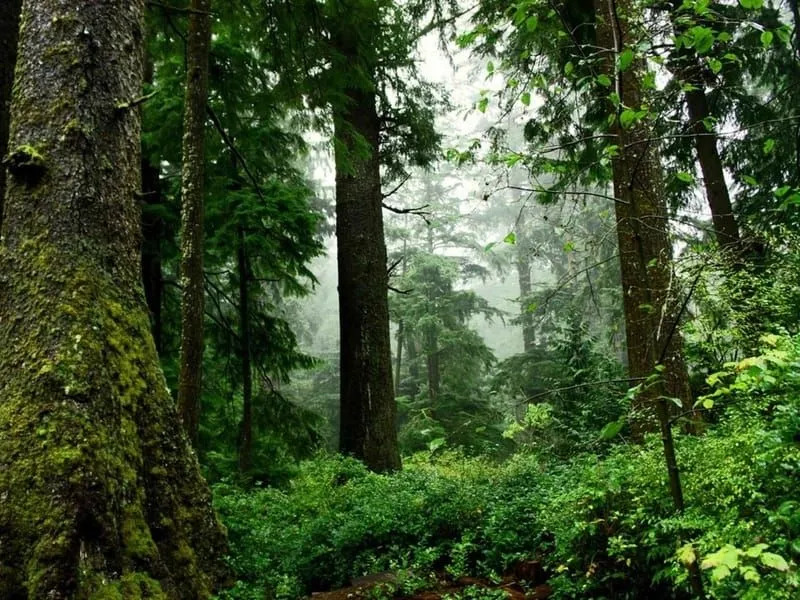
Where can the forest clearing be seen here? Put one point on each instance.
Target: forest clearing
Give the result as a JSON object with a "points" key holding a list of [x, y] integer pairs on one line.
{"points": [[411, 299]]}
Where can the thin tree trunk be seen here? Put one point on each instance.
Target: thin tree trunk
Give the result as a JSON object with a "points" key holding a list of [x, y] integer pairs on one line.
{"points": [[432, 362], [523, 263], [691, 71], [649, 290], [9, 28], [101, 494], [400, 330], [152, 232], [399, 360], [719, 200], [246, 442], [368, 410], [190, 382]]}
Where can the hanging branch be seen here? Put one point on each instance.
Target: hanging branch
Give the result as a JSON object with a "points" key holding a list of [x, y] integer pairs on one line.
{"points": [[232, 147], [178, 9]]}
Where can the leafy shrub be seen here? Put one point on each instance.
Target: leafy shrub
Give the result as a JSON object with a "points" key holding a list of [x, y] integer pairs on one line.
{"points": [[602, 527]]}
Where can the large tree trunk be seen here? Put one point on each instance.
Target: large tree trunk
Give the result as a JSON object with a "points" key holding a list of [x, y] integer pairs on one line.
{"points": [[246, 440], [649, 291], [192, 191], [100, 494], [367, 429], [9, 27]]}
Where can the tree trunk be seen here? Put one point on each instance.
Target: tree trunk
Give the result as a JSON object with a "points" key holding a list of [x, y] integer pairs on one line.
{"points": [[399, 360], [719, 200], [152, 232], [432, 362], [651, 314], [192, 191], [246, 441], [9, 28], [523, 252], [649, 291], [690, 70], [100, 494], [367, 429]]}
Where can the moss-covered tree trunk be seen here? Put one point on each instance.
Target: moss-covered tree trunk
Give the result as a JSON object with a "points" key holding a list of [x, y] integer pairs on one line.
{"points": [[9, 27], [190, 382], [649, 289], [367, 428], [100, 494]]}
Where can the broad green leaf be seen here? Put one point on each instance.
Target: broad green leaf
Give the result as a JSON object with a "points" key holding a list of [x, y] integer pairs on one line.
{"points": [[568, 68], [766, 38], [482, 104], [531, 23], [685, 177], [604, 80], [774, 561], [708, 404], [511, 238], [625, 59], [525, 98], [715, 65], [751, 4], [727, 556], [627, 117], [755, 551], [611, 430]]}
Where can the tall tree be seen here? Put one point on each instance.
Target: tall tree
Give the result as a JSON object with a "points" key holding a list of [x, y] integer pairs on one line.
{"points": [[9, 28], [645, 252], [192, 198], [101, 494], [368, 409]]}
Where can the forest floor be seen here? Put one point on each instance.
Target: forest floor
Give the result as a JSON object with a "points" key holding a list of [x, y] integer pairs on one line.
{"points": [[524, 582]]}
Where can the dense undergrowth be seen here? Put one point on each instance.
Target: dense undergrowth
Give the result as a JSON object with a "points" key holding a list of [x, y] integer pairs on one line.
{"points": [[603, 527]]}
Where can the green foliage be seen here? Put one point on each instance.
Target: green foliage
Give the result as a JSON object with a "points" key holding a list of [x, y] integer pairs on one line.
{"points": [[602, 527]]}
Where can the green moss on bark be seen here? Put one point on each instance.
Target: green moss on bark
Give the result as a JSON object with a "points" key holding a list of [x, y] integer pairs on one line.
{"points": [[81, 491]]}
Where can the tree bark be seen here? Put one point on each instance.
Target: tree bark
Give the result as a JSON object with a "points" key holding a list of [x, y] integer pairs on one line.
{"points": [[649, 290], [246, 441], [368, 410], [100, 494], [9, 28], [192, 195]]}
